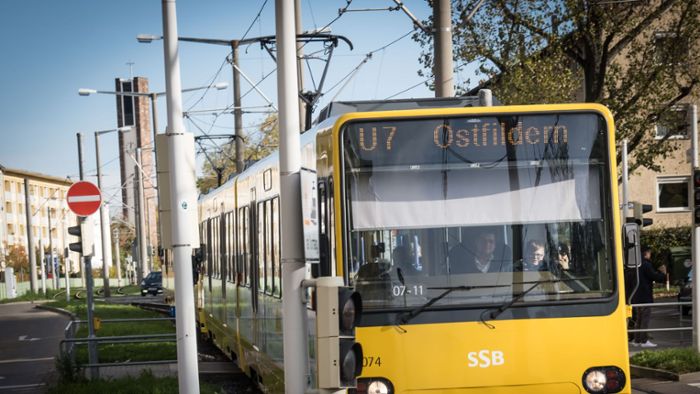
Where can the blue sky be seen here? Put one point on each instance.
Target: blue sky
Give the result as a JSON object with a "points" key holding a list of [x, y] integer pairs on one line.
{"points": [[50, 49]]}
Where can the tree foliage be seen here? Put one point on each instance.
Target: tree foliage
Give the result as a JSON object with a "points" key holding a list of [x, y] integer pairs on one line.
{"points": [[17, 258], [639, 58], [258, 145]]}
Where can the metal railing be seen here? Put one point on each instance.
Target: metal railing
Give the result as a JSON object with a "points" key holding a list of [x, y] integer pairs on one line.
{"points": [[67, 345], [680, 306]]}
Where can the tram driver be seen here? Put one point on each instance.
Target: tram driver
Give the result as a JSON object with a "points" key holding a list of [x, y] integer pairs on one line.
{"points": [[481, 255]]}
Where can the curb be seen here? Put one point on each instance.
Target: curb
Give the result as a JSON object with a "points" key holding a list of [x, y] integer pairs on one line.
{"points": [[57, 310], [645, 372]]}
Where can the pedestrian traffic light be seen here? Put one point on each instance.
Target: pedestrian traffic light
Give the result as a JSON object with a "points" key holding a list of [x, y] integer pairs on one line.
{"points": [[696, 192], [639, 210], [338, 310], [85, 244]]}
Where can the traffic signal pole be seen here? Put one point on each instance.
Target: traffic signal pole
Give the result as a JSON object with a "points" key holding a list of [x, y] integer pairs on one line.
{"points": [[183, 207], [693, 112], [294, 331]]}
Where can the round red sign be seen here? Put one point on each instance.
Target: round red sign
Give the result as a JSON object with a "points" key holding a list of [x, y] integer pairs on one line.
{"points": [[84, 198]]}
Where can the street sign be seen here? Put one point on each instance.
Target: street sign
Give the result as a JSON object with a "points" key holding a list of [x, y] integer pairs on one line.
{"points": [[84, 198]]}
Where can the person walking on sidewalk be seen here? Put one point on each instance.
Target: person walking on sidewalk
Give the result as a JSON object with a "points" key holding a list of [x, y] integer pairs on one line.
{"points": [[644, 295]]}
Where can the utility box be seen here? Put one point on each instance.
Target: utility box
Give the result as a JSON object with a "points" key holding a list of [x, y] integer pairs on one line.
{"points": [[10, 283]]}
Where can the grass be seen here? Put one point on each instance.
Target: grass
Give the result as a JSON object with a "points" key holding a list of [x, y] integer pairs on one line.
{"points": [[125, 351], [678, 361], [33, 296], [146, 383]]}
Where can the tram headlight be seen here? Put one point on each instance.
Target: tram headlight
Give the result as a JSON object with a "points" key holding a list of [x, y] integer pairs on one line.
{"points": [[374, 386], [606, 380]]}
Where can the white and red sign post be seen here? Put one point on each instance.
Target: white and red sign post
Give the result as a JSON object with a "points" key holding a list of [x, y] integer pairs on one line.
{"points": [[84, 198]]}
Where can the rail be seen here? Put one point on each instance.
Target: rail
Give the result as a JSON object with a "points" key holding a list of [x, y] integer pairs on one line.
{"points": [[67, 345]]}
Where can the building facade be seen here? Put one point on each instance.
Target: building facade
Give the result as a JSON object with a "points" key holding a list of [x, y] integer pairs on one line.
{"points": [[50, 214]]}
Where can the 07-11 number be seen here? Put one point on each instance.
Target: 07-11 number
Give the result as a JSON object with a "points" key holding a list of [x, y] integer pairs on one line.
{"points": [[370, 361]]}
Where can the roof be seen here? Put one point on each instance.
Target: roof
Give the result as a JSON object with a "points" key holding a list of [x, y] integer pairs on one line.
{"points": [[36, 176]]}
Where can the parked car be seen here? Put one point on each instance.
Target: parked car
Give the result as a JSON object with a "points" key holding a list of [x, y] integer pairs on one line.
{"points": [[686, 293], [153, 283]]}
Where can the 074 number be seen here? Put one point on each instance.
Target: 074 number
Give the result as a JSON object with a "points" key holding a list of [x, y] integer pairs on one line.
{"points": [[370, 361]]}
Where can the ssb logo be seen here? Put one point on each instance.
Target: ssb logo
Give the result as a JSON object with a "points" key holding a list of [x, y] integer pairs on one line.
{"points": [[485, 358]]}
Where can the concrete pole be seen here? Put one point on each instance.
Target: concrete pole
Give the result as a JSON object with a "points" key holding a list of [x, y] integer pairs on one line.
{"points": [[141, 218], [81, 166], [237, 111], [693, 115], [104, 229], [43, 266], [442, 46], [294, 331], [182, 189], [117, 257], [30, 237], [300, 65]]}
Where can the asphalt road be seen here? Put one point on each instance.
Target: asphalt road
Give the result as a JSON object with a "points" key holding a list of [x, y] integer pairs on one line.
{"points": [[29, 344]]}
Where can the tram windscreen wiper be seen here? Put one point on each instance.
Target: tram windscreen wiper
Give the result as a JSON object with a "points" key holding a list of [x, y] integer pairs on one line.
{"points": [[407, 316], [494, 314]]}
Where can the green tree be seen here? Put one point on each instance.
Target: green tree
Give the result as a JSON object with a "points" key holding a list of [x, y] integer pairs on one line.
{"points": [[17, 258], [258, 145], [639, 58]]}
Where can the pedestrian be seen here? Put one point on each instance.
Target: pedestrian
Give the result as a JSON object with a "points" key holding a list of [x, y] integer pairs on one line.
{"points": [[645, 277]]}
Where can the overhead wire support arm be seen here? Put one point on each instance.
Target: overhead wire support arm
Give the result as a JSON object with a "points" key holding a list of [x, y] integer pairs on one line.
{"points": [[413, 18]]}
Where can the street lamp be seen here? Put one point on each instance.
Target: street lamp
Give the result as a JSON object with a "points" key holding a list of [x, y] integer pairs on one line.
{"points": [[152, 96], [104, 214]]}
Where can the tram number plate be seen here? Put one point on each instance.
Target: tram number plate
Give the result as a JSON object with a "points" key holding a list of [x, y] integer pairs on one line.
{"points": [[371, 361]]}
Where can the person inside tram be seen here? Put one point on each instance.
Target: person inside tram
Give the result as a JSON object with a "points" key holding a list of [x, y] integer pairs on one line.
{"points": [[534, 259], [483, 256]]}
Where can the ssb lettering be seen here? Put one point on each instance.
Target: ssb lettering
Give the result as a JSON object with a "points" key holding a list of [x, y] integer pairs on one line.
{"points": [[485, 358]]}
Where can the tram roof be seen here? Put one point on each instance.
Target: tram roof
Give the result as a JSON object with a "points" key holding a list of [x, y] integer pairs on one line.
{"points": [[337, 108]]}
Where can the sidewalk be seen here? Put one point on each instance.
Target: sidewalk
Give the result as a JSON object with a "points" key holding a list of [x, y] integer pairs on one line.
{"points": [[653, 386]]}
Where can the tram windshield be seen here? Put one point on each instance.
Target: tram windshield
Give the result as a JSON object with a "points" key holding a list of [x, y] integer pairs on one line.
{"points": [[493, 203]]}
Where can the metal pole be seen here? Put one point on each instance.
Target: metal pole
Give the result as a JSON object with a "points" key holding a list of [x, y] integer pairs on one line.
{"points": [[30, 237], [117, 258], [141, 218], [104, 230], [294, 332], [442, 15], [693, 112], [237, 112], [625, 183], [53, 268], [92, 346], [183, 208], [43, 266], [66, 262], [81, 165]]}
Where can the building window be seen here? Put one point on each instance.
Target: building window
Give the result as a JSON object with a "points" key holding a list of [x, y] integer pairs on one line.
{"points": [[669, 49], [672, 194], [673, 123], [8, 207], [8, 186]]}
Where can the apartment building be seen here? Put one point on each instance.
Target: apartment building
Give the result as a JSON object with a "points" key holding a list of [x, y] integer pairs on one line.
{"points": [[50, 214]]}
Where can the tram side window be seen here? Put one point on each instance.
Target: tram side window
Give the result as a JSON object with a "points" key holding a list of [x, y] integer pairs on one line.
{"points": [[230, 244], [224, 249], [269, 276], [244, 245], [261, 246], [276, 266]]}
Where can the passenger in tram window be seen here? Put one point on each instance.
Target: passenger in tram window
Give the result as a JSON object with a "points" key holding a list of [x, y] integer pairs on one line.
{"points": [[403, 257], [482, 257], [534, 259], [564, 256]]}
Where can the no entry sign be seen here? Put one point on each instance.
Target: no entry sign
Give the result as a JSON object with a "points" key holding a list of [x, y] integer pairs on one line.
{"points": [[84, 198]]}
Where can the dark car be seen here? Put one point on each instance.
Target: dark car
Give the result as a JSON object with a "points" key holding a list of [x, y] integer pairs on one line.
{"points": [[153, 283], [686, 293]]}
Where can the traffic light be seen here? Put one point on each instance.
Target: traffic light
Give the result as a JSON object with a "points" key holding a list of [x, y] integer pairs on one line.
{"points": [[639, 210], [696, 192], [338, 311], [85, 244]]}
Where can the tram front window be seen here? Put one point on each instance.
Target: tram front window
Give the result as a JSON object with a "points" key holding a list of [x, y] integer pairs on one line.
{"points": [[494, 204]]}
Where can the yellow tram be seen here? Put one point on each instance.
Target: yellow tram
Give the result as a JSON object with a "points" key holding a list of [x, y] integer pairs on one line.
{"points": [[484, 241]]}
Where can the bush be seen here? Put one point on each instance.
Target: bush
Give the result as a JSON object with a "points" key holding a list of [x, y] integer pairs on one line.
{"points": [[661, 239], [674, 360]]}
